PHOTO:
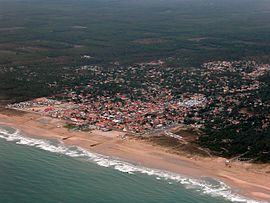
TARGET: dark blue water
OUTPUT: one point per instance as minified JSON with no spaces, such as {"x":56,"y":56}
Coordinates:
{"x":43,"y":173}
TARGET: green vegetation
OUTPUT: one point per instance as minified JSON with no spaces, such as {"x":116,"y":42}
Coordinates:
{"x":71,"y":126}
{"x":248,"y":137}
{"x":189,"y":31}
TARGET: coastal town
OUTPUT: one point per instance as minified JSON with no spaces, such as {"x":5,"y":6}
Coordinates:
{"x":148,"y":96}
{"x":140,"y":101}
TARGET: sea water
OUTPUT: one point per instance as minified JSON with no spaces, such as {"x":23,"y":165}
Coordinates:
{"x":46,"y":171}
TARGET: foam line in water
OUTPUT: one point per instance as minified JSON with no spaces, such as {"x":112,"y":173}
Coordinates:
{"x":204,"y":186}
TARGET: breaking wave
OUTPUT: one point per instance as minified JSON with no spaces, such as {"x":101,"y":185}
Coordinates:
{"x":203,"y":185}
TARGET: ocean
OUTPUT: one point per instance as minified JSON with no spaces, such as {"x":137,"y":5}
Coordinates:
{"x":46,"y":171}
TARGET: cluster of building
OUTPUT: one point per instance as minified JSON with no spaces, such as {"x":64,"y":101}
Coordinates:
{"x":125,"y":115}
{"x":149,"y":96}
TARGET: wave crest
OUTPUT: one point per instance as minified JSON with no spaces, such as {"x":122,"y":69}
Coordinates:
{"x":203,"y":185}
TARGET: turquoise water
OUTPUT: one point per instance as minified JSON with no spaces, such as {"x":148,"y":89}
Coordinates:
{"x":42,"y":171}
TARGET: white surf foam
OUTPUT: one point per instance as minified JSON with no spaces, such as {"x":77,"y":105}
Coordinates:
{"x":202,"y":185}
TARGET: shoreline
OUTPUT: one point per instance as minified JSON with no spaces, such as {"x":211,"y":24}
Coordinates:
{"x":253,"y":180}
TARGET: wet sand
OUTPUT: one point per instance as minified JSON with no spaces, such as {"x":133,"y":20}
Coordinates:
{"x":252,"y":180}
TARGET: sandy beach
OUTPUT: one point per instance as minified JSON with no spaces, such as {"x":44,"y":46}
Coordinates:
{"x":252,"y":180}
